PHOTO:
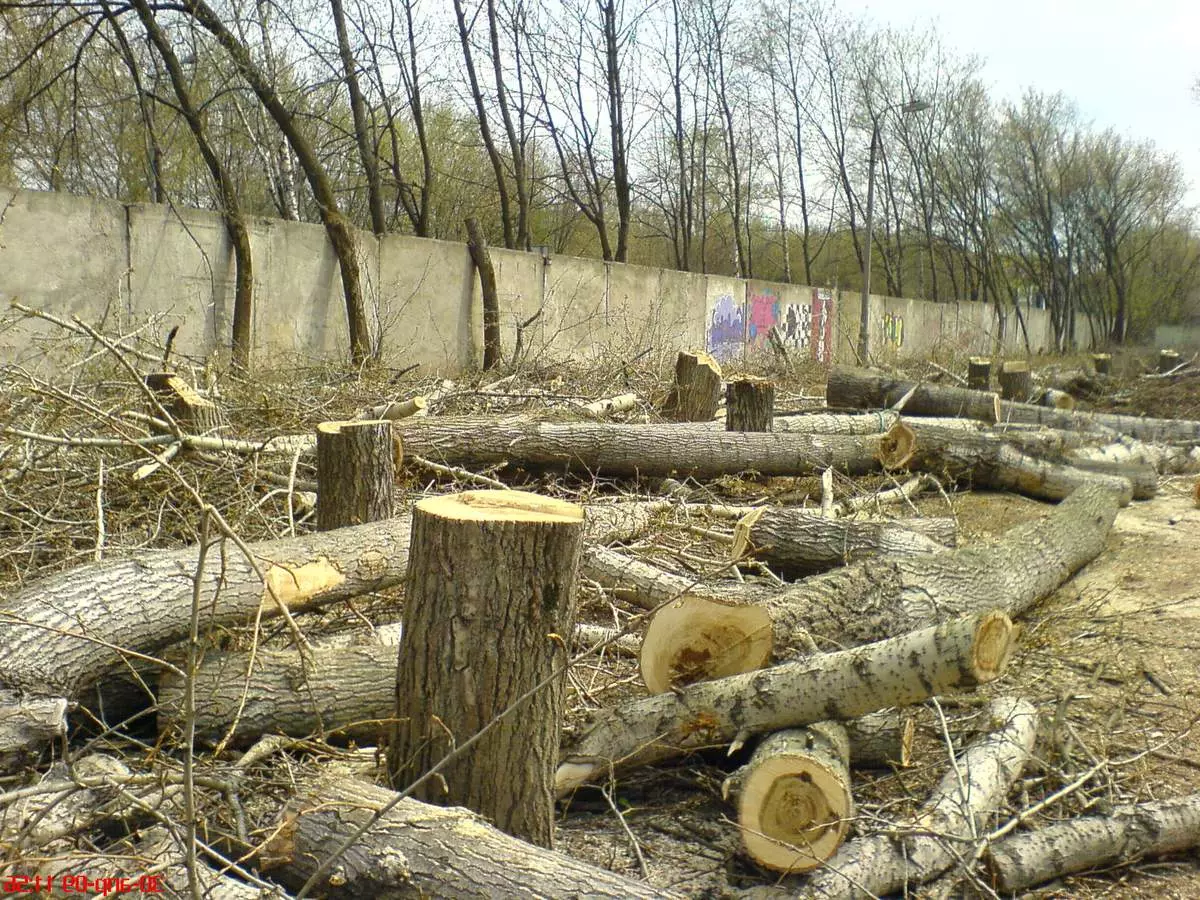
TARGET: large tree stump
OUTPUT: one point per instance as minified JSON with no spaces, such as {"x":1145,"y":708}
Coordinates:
{"x":490,"y":607}
{"x":793,"y":798}
{"x":192,"y":413}
{"x":749,"y":404}
{"x":1016,"y":381}
{"x":697,"y":391}
{"x":356,"y":467}
{"x":1167,"y":360}
{"x":1102,"y":363}
{"x":979,"y":373}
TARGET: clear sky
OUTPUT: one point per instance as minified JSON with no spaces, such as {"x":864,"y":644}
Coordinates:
{"x":1132,"y":66}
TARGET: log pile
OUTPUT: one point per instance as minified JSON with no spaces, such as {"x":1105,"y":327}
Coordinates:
{"x":784,"y":643}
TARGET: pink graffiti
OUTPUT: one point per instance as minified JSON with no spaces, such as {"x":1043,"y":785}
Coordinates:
{"x":764,"y":314}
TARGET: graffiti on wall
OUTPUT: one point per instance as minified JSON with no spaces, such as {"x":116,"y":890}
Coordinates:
{"x":821,"y":322}
{"x":893,"y":329}
{"x":726,"y":328}
{"x":764,"y":307}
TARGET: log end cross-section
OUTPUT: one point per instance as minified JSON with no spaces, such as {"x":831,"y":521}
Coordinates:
{"x":694,"y":639}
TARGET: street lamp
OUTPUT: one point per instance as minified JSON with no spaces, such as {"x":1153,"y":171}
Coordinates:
{"x":864,"y":325}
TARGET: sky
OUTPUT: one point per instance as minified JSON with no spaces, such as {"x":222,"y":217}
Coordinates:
{"x":1132,"y":66}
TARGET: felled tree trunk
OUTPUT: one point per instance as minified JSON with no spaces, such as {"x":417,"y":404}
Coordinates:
{"x":834,"y":423}
{"x":492,"y":581}
{"x":356,"y":467}
{"x":881,"y":740}
{"x":979,"y":373}
{"x":749,"y":404}
{"x":697,"y":391}
{"x":648,"y":450}
{"x":1016,"y":381}
{"x":1143,"y":428}
{"x":418,"y":850}
{"x":894,"y":672}
{"x":192,"y":413}
{"x":798,"y":541}
{"x":1128,"y":834}
{"x":396,"y":409}
{"x":1056,"y":399}
{"x":850,"y":388}
{"x":793,"y":798}
{"x":880,"y":865}
{"x":1165,"y":459}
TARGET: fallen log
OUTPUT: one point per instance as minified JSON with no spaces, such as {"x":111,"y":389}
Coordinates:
{"x":879,"y":865}
{"x":1126,"y":835}
{"x":418,"y":850}
{"x":793,"y":798}
{"x":396,"y":409}
{"x":851,"y":388}
{"x":881,"y":740}
{"x":610,"y":406}
{"x":648,"y":450}
{"x":901,"y":670}
{"x":835,"y":423}
{"x":798,"y":541}
{"x":1165,"y":459}
{"x":1145,"y":428}
{"x":1056,"y":399}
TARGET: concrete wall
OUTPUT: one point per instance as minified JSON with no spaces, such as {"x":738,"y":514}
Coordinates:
{"x":128,"y":266}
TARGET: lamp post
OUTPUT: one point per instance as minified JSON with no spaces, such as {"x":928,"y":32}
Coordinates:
{"x":864,"y":325}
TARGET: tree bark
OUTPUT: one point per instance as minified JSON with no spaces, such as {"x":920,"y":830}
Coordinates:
{"x":799,"y":541}
{"x":356,"y":468}
{"x":793,"y":798}
{"x":697,"y":391}
{"x":979,"y":373}
{"x":192,"y":413}
{"x":894,"y":672}
{"x":1102,"y":363}
{"x":492,"y":581}
{"x":834,"y":423}
{"x":849,"y":388}
{"x":1167,"y":360}
{"x":418,"y":850}
{"x":881,"y":740}
{"x":1016,"y":381}
{"x":1143,"y":428}
{"x":364,"y":139}
{"x":647,"y":450}
{"x":1128,"y":834}
{"x":482,"y":260}
{"x":749,"y":404}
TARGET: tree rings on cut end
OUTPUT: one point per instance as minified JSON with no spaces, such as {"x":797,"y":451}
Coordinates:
{"x":695,"y":639}
{"x":897,"y":446}
{"x":501,"y":506}
{"x":995,"y":640}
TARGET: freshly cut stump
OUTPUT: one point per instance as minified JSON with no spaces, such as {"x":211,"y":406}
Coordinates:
{"x":193,"y":413}
{"x":697,"y":391}
{"x":793,"y":798}
{"x":1102,"y":363}
{"x":355,"y":470}
{"x":749,"y":404}
{"x":1016,"y":381}
{"x":1056,"y":399}
{"x":488,"y":616}
{"x":979,"y":373}
{"x":1167,"y":360}
{"x":696,"y":639}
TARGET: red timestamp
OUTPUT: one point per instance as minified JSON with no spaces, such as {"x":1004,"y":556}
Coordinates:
{"x":80,"y":884}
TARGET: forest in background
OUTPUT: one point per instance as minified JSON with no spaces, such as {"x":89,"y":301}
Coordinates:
{"x":704,"y":135}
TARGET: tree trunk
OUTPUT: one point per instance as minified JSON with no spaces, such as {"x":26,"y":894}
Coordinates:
{"x":192,"y":413}
{"x":1127,"y":835}
{"x":979,"y":780}
{"x":1167,"y":360}
{"x":895,"y":672}
{"x":793,"y":797}
{"x":1016,"y":381}
{"x":647,"y":450}
{"x":849,"y":388}
{"x":418,"y":850}
{"x":356,"y":468}
{"x":364,"y":139}
{"x":1102,"y":362}
{"x":1143,"y":428}
{"x":881,"y":740}
{"x":799,"y":541}
{"x":482,"y":260}
{"x":979,"y":373}
{"x":492,"y":580}
{"x":833,"y":423}
{"x":1056,"y":399}
{"x":697,"y":391}
{"x":749,"y":404}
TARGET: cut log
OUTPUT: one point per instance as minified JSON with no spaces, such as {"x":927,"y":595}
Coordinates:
{"x":979,"y":780}
{"x":898,"y":671}
{"x":356,"y":467}
{"x":1127,"y":835}
{"x":1016,"y":381}
{"x":418,"y":850}
{"x":881,"y":740}
{"x":850,"y":388}
{"x":192,"y":413}
{"x":610,"y":406}
{"x":901,"y":494}
{"x":1164,"y":459}
{"x":833,"y":423}
{"x":1102,"y":363}
{"x":697,"y":391}
{"x":396,"y":409}
{"x":26,"y":725}
{"x":749,"y":404}
{"x":797,"y":541}
{"x":979,"y":373}
{"x":697,"y":639}
{"x":491,"y":587}
{"x":793,"y":798}
{"x":1143,"y":428}
{"x":1056,"y":399}
{"x":1167,"y":361}
{"x":647,"y":450}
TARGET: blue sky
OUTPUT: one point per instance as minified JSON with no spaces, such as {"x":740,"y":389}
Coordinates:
{"x":1129,"y":66}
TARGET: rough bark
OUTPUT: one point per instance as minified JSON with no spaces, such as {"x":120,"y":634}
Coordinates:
{"x":879,"y":865}
{"x":192,"y":413}
{"x":492,"y":581}
{"x":697,"y":391}
{"x":749,"y":404}
{"x":793,"y":798}
{"x":482,"y":261}
{"x":1143,"y":428}
{"x":894,"y":672}
{"x":396,"y":409}
{"x":648,"y":586}
{"x":881,"y":740}
{"x":850,"y":388}
{"x":833,"y":423}
{"x":1016,"y":381}
{"x":1167,"y":360}
{"x":1102,"y":362}
{"x":356,"y":468}
{"x":418,"y":850}
{"x":1128,"y":834}
{"x":648,"y":450}
{"x":979,"y":373}
{"x":1165,"y":459}
{"x":600,"y":409}
{"x":26,"y":725}
{"x":799,"y":541}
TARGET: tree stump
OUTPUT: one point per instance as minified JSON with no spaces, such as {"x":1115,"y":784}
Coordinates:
{"x":356,"y":467}
{"x":1167,"y":360}
{"x":193,"y":413}
{"x":979,"y":373}
{"x":1102,"y":362}
{"x":749,"y":404}
{"x":1016,"y":381}
{"x":697,"y":391}
{"x":489,"y":611}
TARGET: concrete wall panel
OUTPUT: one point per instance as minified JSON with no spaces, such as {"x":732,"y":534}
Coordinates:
{"x":576,"y":306}
{"x":725,"y":318}
{"x":426,"y":307}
